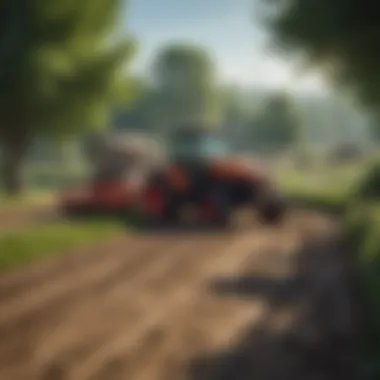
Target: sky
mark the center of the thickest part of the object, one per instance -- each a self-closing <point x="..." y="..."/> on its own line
<point x="227" y="28"/>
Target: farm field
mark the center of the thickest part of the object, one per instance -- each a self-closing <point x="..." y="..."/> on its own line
<point x="194" y="305"/>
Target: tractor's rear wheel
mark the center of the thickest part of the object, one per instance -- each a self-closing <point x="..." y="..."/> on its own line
<point x="219" y="208"/>
<point x="160" y="204"/>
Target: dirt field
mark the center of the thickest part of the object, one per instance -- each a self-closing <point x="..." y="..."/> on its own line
<point x="259" y="303"/>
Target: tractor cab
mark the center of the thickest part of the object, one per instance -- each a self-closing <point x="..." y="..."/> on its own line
<point x="196" y="145"/>
<point x="204" y="174"/>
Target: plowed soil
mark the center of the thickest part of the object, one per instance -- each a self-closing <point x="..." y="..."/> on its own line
<point x="256" y="303"/>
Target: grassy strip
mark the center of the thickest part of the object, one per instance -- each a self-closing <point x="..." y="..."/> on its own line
<point x="28" y="245"/>
<point x="305" y="194"/>
<point x="328" y="201"/>
<point x="30" y="199"/>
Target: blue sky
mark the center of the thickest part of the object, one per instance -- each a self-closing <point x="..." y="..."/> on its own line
<point x="225" y="27"/>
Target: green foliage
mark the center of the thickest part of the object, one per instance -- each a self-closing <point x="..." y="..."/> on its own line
<point x="185" y="85"/>
<point x="236" y="107"/>
<point x="277" y="125"/>
<point x="66" y="67"/>
<point x="369" y="187"/>
<point x="339" y="36"/>
<point x="361" y="229"/>
<point x="357" y="223"/>
<point x="143" y="115"/>
<point x="61" y="63"/>
<point x="26" y="246"/>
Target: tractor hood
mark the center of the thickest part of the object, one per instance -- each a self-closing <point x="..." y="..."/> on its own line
<point x="223" y="167"/>
<point x="239" y="166"/>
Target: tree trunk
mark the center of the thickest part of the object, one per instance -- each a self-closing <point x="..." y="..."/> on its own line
<point x="13" y="174"/>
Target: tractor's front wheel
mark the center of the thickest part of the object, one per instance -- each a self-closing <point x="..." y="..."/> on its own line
<point x="74" y="212"/>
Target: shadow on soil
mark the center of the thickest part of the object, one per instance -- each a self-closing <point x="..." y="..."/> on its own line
<point x="181" y="229"/>
<point x="131" y="222"/>
<point x="320" y="341"/>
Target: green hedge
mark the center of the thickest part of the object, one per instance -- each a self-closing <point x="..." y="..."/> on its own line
<point x="362" y="226"/>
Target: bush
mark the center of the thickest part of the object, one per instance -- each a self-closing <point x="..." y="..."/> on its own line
<point x="357" y="224"/>
<point x="369" y="187"/>
<point x="361" y="229"/>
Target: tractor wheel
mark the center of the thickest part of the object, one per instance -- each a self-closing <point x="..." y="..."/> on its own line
<point x="219" y="208"/>
<point x="272" y="211"/>
<point x="161" y="206"/>
<point x="170" y="213"/>
<point x="72" y="212"/>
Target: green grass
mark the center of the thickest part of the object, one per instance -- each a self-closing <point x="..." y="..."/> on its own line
<point x="327" y="189"/>
<point x="30" y="199"/>
<point x="28" y="245"/>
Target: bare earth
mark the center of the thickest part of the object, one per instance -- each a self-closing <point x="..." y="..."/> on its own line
<point x="258" y="303"/>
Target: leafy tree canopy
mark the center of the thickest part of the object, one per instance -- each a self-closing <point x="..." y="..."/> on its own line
<point x="61" y="62"/>
<point x="277" y="125"/>
<point x="340" y="36"/>
<point x="185" y="84"/>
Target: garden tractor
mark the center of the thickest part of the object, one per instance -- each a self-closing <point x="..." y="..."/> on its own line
<point x="203" y="172"/>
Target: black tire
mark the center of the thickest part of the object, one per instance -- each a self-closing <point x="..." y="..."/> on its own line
<point x="171" y="210"/>
<point x="272" y="212"/>
<point x="77" y="212"/>
<point x="170" y="214"/>
<point x="222" y="204"/>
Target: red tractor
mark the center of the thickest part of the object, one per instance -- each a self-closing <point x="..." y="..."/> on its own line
<point x="202" y="171"/>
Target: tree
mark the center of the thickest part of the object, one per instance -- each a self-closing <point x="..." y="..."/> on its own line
<point x="61" y="62"/>
<point x="234" y="110"/>
<point x="185" y="85"/>
<point x="143" y="114"/>
<point x="277" y="125"/>
<point x="339" y="36"/>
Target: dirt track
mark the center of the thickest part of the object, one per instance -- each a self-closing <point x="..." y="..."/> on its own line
<point x="261" y="303"/>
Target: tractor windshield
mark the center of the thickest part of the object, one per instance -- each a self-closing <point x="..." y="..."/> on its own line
<point x="214" y="147"/>
<point x="197" y="146"/>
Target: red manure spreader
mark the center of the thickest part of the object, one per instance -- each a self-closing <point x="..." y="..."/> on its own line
<point x="119" y="163"/>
